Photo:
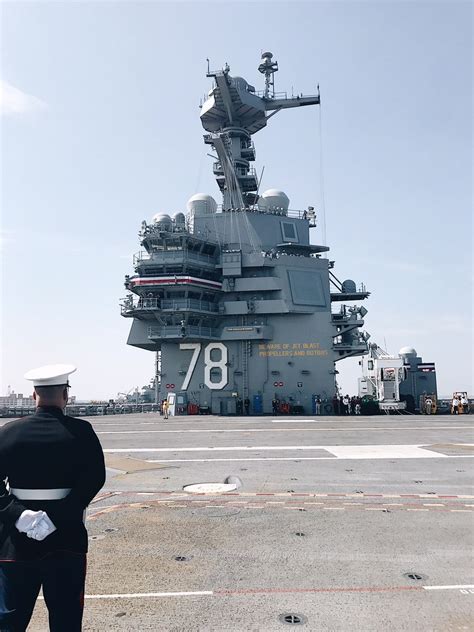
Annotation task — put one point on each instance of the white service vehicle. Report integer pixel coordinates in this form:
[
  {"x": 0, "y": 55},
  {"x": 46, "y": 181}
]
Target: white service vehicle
[{"x": 382, "y": 374}]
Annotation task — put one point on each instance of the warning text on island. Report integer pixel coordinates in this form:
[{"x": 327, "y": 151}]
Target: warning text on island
[{"x": 291, "y": 350}]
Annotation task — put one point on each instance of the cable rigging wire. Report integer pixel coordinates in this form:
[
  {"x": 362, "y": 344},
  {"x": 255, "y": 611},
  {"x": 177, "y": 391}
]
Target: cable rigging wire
[
  {"x": 321, "y": 181},
  {"x": 218, "y": 237}
]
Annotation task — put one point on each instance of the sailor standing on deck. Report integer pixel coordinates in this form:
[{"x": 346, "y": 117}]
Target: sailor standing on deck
[{"x": 51, "y": 467}]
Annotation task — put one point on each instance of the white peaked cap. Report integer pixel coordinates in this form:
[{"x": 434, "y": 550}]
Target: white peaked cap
[{"x": 50, "y": 375}]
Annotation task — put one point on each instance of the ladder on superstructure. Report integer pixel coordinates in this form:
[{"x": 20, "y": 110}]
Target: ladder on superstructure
[{"x": 246, "y": 346}]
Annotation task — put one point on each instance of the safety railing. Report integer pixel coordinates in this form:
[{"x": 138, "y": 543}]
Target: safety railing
[
  {"x": 251, "y": 172},
  {"x": 277, "y": 95},
  {"x": 184, "y": 331},
  {"x": 173, "y": 305},
  {"x": 191, "y": 304},
  {"x": 140, "y": 256},
  {"x": 356, "y": 345},
  {"x": 293, "y": 213},
  {"x": 160, "y": 256},
  {"x": 144, "y": 304}
]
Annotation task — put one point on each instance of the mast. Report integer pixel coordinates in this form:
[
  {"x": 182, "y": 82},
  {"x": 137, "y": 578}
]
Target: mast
[{"x": 234, "y": 112}]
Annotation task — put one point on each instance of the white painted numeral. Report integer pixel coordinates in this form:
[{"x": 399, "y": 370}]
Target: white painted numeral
[
  {"x": 196, "y": 347},
  {"x": 210, "y": 364}
]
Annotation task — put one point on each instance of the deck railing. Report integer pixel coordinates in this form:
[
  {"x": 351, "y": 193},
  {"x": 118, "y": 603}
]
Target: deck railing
[
  {"x": 174, "y": 305},
  {"x": 293, "y": 213},
  {"x": 176, "y": 331},
  {"x": 172, "y": 256},
  {"x": 189, "y": 304}
]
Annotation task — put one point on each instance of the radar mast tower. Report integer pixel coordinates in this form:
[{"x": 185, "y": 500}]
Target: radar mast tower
[
  {"x": 268, "y": 68},
  {"x": 231, "y": 114}
]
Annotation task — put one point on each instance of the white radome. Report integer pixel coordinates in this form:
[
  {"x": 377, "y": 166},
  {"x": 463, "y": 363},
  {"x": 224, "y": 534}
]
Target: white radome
[
  {"x": 276, "y": 200},
  {"x": 163, "y": 219},
  {"x": 179, "y": 219},
  {"x": 407, "y": 351},
  {"x": 201, "y": 204}
]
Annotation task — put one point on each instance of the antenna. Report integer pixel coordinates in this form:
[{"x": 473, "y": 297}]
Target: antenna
[
  {"x": 259, "y": 182},
  {"x": 208, "y": 70},
  {"x": 268, "y": 68}
]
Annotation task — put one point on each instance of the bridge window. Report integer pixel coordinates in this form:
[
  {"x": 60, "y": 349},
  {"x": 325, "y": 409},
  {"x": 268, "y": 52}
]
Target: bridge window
[{"x": 289, "y": 232}]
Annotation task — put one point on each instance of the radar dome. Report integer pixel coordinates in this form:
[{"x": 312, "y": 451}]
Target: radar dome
[
  {"x": 179, "y": 219},
  {"x": 163, "y": 220},
  {"x": 407, "y": 351},
  {"x": 276, "y": 200},
  {"x": 349, "y": 286},
  {"x": 201, "y": 204}
]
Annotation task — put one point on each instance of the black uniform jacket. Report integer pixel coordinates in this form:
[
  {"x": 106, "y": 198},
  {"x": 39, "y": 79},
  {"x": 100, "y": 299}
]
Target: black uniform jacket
[{"x": 48, "y": 450}]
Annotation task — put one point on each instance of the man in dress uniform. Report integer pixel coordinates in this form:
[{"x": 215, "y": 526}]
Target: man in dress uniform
[{"x": 51, "y": 467}]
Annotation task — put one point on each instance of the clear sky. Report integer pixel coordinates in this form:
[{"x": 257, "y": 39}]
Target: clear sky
[{"x": 100, "y": 130}]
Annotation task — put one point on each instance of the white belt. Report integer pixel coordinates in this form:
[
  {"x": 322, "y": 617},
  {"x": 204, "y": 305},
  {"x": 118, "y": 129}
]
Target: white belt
[{"x": 40, "y": 494}]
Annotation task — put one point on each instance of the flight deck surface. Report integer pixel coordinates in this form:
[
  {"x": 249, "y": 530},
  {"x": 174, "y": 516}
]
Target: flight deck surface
[{"x": 333, "y": 515}]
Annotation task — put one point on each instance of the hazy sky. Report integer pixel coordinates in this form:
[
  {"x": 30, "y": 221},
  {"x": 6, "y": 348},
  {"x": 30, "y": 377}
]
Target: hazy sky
[{"x": 100, "y": 130}]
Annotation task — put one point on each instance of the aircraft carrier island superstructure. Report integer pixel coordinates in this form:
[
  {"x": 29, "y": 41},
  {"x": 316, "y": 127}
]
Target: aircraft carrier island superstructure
[{"x": 233, "y": 298}]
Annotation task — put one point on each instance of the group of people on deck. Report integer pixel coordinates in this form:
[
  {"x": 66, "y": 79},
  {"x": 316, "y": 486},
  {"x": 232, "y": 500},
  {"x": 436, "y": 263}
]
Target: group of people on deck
[
  {"x": 345, "y": 405},
  {"x": 459, "y": 404}
]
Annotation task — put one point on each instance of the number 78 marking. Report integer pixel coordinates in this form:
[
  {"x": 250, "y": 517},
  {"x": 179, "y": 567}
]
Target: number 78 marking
[{"x": 209, "y": 364}]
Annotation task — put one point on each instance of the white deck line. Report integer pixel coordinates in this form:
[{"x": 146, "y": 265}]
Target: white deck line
[
  {"x": 355, "y": 420},
  {"x": 201, "y": 593},
  {"x": 378, "y": 448},
  {"x": 197, "y": 593},
  {"x": 453, "y": 587},
  {"x": 358, "y": 429},
  {"x": 339, "y": 451},
  {"x": 291, "y": 458},
  {"x": 181, "y": 421},
  {"x": 294, "y": 421}
]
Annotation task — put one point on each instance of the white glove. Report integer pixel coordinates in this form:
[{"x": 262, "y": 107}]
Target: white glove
[
  {"x": 42, "y": 528},
  {"x": 28, "y": 520}
]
